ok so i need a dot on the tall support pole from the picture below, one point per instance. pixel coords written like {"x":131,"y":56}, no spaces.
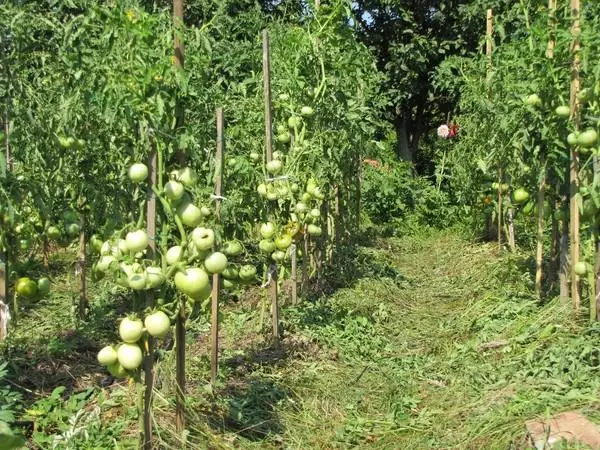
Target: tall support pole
{"x":539,"y":254}
{"x":489,"y":36}
{"x":214,"y":330}
{"x":81,"y":268}
{"x":574,"y":165}
{"x":269,"y":151}
{"x":151,"y":255}
{"x":178,"y":23}
{"x":4,"y":271}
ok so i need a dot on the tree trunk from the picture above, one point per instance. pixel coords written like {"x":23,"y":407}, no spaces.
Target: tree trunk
{"x":404,"y":149}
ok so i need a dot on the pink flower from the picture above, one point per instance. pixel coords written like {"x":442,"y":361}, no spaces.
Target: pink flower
{"x":443,"y":131}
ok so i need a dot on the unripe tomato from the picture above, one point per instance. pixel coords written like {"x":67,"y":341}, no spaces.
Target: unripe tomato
{"x":138,"y":173}
{"x":130,"y":330}
{"x":306,"y":111}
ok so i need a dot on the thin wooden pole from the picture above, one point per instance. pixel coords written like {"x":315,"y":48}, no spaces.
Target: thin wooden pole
{"x":574,"y":166}
{"x":540,"y":232}
{"x":294,"y":274}
{"x":267,"y":94}
{"x":274,"y":303}
{"x":82,"y":263}
{"x":269,"y":151}
{"x":489,"y":36}
{"x":511,"y":229}
{"x":151,"y":255}
{"x":4,"y":271}
{"x":214,"y":355}
{"x":489,"y":47}
{"x":178,"y":22}
{"x":539,"y":255}
{"x":500,"y":196}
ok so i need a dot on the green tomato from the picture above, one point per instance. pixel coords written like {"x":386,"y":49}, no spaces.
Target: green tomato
{"x":117,"y":370}
{"x":533,"y":100}
{"x":154,"y":277}
{"x":189,"y":214}
{"x":130,"y":330}
{"x":314,"y":230}
{"x":233,"y":248}
{"x":580,"y":268}
{"x":174,"y":255}
{"x":72,"y":229}
{"x":267,"y":245}
{"x":107,"y":356}
{"x":138,"y":173}
{"x":137,"y":281}
{"x":283,"y":242}
{"x":294,"y":121}
{"x":563,"y":112}
{"x":230,"y":273}
{"x":203,"y":238}
{"x":216,"y":262}
{"x":274,"y":166}
{"x":588,"y":138}
{"x":278,"y":256}
{"x":188,"y":177}
{"x":43,"y":286}
{"x":247,"y":272}
{"x":137,"y":241}
{"x":26,"y":287}
{"x":520,"y":196}
{"x":267,"y":230}
{"x":284,"y":138}
{"x":306,"y":111}
{"x":192,"y":282}
{"x":130,"y":356}
{"x":53,"y":232}
{"x":174,"y":190}
{"x":157,"y":324}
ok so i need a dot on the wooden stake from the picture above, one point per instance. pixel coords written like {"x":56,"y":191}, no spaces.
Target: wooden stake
{"x":294,"y":274}
{"x":214,"y":355}
{"x":4,"y":270}
{"x":574,"y":166}
{"x":151,"y":255}
{"x":267,"y":93}
{"x":179,"y":59}
{"x":274,"y":303}
{"x":81,"y":263}
{"x":511,"y":230}
{"x":178,"y":22}
{"x":489,"y":35}
{"x":540,"y":232}
{"x":269,"y":151}
{"x":542,"y":185}
{"x":500,"y":196}
{"x":551,"y":28}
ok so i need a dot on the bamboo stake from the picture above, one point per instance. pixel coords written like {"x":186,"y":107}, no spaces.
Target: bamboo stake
{"x":151,"y":254}
{"x":214,"y":354}
{"x":178,"y":23}
{"x":269,"y":148}
{"x":574,"y":166}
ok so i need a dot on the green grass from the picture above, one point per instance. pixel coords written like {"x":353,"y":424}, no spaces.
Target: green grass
{"x":437,"y":343}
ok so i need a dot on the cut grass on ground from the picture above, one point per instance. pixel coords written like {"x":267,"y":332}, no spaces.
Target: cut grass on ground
{"x":439,"y":344}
